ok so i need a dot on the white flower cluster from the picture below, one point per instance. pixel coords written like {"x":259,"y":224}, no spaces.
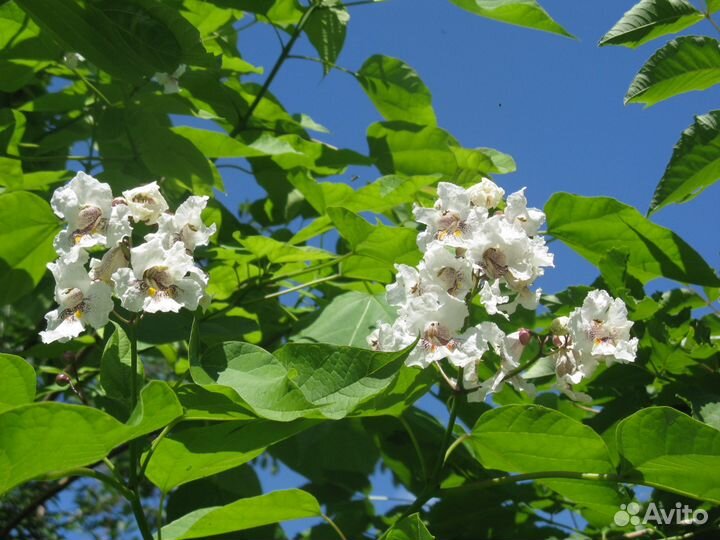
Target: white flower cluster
{"x":158,"y":275}
{"x":599,"y":331}
{"x":474,"y":243}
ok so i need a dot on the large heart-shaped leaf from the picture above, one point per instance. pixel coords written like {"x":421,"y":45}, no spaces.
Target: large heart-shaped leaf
{"x":17,"y":381}
{"x":300,"y":379}
{"x":593,"y":226}
{"x":671,"y":451}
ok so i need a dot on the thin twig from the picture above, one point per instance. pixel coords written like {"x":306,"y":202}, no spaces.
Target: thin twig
{"x":275,"y":69}
{"x":334,"y":526}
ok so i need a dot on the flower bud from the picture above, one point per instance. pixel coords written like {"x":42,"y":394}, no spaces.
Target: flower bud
{"x":524,"y":336}
{"x":559,"y":326}
{"x":63,"y":379}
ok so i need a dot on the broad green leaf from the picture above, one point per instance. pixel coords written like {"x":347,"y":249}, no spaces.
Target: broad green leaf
{"x":207,"y":450}
{"x":212,"y":402}
{"x":27,"y":229}
{"x":300,"y":379}
{"x":326,"y":30}
{"x":281,"y":252}
{"x":527,"y":13}
{"x":49,"y":437}
{"x":409,"y":528}
{"x":17,"y":381}
{"x":684,"y":64}
{"x":530,"y":438}
{"x":713,"y":5}
{"x":671,"y":451}
{"x":651,"y":19}
{"x":138,"y":40}
{"x":214,"y":144}
{"x":168,"y":154}
{"x":244,"y":514}
{"x":592,"y":226}
{"x":694,"y":165}
{"x":12,"y":129}
{"x":115,"y":366}
{"x":348,"y":320}
{"x":396,"y":90}
{"x":409,"y":149}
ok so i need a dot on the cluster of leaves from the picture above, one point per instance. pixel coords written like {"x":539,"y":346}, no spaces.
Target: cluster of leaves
{"x":277,"y":369}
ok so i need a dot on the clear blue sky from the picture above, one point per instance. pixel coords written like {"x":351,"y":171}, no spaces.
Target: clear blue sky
{"x":555,"y":104}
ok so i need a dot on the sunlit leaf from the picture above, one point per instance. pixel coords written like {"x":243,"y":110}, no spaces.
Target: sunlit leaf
{"x":527,"y":13}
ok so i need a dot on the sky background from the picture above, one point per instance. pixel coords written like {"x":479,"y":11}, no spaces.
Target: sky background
{"x":553,"y":103}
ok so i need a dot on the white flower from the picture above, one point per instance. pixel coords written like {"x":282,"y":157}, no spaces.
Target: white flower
{"x":170,"y":82}
{"x":530,"y":219}
{"x":491,"y":296}
{"x":185,"y":225}
{"x":453,"y":220}
{"x":86,"y":205}
{"x":81,"y":301}
{"x":407,"y":285}
{"x":115,"y":258}
{"x":390,"y":337}
{"x":601,"y":328}
{"x":599,"y":331}
{"x":160,"y":279}
{"x":486,"y":194}
{"x":443,"y":270}
{"x":508,"y":348}
{"x":146,"y":203}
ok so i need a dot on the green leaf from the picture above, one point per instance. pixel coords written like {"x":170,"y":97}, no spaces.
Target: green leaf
{"x":530,"y":438}
{"x":684,"y":64}
{"x":592,"y":226}
{"x":694,"y":165}
{"x":244,"y":514}
{"x":300,"y":379}
{"x":166,"y":153}
{"x":115,"y":366}
{"x":413,"y":150}
{"x":348,"y":320}
{"x":396,"y":90}
{"x":208,"y":450}
{"x":409,"y":528}
{"x":281,"y":252}
{"x":651,"y":19}
{"x":671,"y":451}
{"x":326,"y":30}
{"x":141,"y":38}
{"x":48,"y":437}
{"x":17,"y":381}
{"x":527,"y":13}
{"x":27,"y":229}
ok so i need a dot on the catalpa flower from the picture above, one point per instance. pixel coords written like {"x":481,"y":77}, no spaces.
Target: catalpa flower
{"x":185,"y":225}
{"x":87,"y":206}
{"x":453,"y":220}
{"x":599,"y":331}
{"x":146,"y":203}
{"x":170,"y":81}
{"x":81,"y":301}
{"x":160,"y":279}
{"x":486,"y":194}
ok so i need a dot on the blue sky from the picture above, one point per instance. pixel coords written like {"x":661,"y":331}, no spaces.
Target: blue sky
{"x":555,"y":104}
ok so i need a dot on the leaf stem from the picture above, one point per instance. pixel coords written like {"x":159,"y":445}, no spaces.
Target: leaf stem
{"x":513,"y":479}
{"x":710,"y":19}
{"x":275,"y":69}
{"x":155,"y":444}
{"x":457,"y":442}
{"x":416,"y":446}
{"x":301,"y":286}
{"x":334,"y":526}
{"x":132,"y":335}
